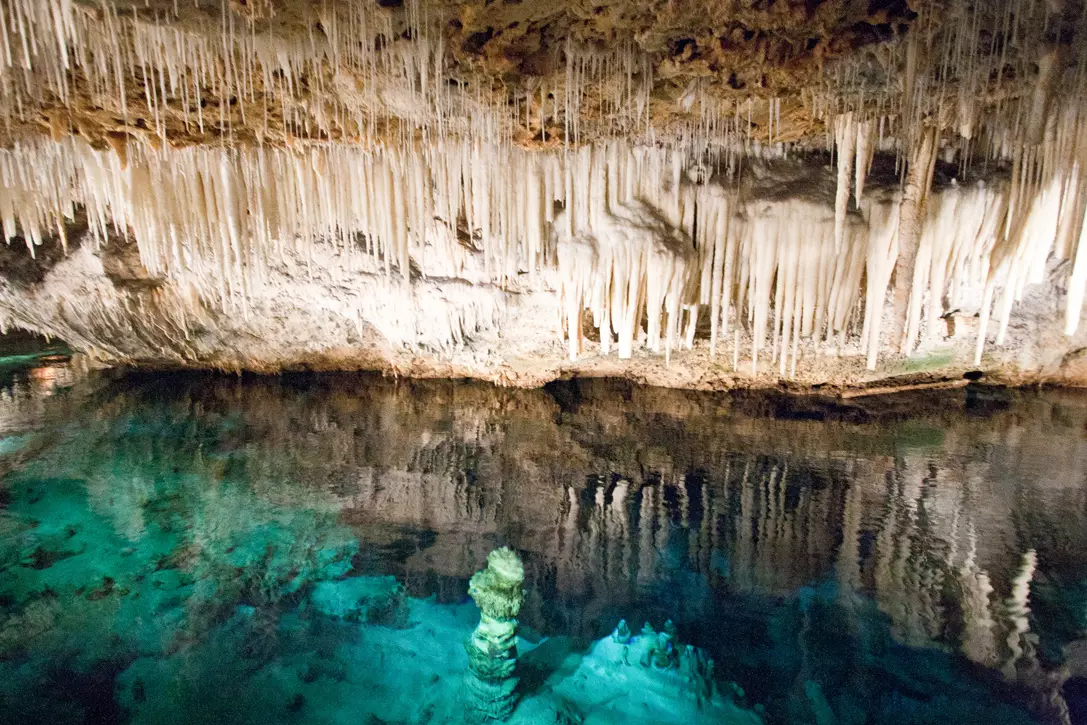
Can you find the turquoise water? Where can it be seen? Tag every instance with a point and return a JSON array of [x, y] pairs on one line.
[[201, 549]]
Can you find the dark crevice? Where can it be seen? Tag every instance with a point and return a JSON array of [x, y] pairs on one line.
[[475, 42]]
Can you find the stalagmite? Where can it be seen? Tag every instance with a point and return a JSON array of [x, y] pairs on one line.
[[491, 682]]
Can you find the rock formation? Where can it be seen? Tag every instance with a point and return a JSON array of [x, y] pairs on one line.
[[823, 192], [492, 649]]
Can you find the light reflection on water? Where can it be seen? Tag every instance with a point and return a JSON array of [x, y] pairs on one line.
[[912, 559]]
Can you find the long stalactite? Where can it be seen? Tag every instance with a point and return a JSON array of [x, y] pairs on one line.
[[644, 216]]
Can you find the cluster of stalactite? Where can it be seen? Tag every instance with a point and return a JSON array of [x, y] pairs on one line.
[[350, 69], [626, 231], [646, 236]]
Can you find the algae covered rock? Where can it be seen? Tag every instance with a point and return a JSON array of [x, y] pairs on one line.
[[370, 599], [497, 590], [491, 684], [625, 678]]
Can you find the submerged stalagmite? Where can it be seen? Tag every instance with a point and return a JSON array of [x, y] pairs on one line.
[[491, 681], [809, 191]]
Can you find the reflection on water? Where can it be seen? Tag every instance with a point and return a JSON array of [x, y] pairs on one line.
[[917, 560]]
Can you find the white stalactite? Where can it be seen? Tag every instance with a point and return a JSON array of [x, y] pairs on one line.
[[846, 138], [778, 273]]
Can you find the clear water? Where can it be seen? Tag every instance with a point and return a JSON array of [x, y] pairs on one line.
[[177, 549]]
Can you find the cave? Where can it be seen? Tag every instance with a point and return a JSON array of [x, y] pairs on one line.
[[467, 361]]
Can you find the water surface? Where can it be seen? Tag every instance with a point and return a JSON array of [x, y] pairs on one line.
[[166, 542]]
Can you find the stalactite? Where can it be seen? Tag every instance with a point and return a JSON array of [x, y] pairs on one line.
[[846, 137], [646, 231], [1048, 68], [775, 272], [866, 149], [1077, 283], [918, 184]]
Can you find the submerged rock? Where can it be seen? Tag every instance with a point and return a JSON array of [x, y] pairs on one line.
[[610, 684], [370, 599], [492, 649]]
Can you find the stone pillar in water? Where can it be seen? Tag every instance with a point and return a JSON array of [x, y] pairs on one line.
[[492, 648]]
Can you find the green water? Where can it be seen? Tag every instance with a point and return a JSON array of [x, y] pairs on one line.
[[200, 549]]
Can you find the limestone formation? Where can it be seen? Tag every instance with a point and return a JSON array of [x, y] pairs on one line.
[[688, 193], [664, 658], [491, 682], [622, 634]]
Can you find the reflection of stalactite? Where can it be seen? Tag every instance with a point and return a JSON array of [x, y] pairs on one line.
[[569, 536], [424, 499], [744, 548], [646, 542], [595, 555], [979, 640], [770, 532], [907, 587], [780, 531], [606, 517], [1021, 663], [24, 405], [848, 566], [1017, 606], [617, 533], [662, 530]]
